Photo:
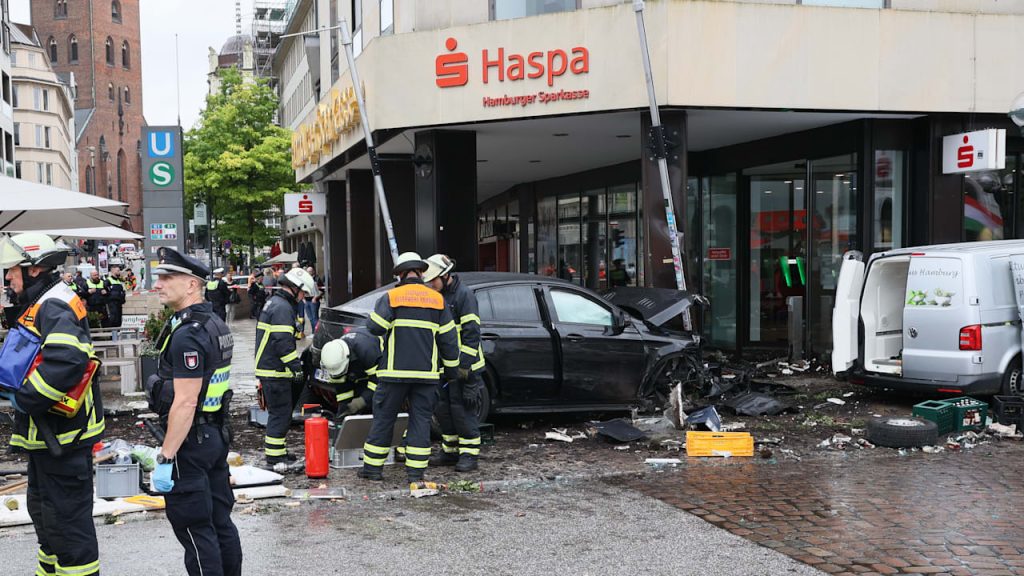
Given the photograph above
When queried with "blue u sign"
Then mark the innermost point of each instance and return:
(161, 144)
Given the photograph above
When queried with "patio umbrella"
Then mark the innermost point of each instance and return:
(95, 233)
(27, 206)
(283, 258)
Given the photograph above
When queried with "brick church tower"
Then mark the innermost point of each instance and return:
(98, 41)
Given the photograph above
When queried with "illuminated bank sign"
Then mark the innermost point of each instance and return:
(498, 66)
(163, 188)
(336, 116)
(974, 151)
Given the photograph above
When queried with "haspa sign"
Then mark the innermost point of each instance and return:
(974, 151)
(454, 69)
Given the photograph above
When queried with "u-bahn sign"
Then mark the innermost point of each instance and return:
(163, 187)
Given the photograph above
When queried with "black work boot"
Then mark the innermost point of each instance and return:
(444, 459)
(368, 472)
(414, 475)
(288, 459)
(467, 463)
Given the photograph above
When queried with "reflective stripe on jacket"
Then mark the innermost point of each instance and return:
(276, 355)
(466, 314)
(419, 334)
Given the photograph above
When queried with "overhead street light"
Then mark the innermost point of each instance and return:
(1017, 112)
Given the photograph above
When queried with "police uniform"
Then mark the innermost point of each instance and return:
(197, 343)
(60, 482)
(364, 353)
(97, 301)
(277, 363)
(217, 293)
(116, 296)
(419, 336)
(460, 428)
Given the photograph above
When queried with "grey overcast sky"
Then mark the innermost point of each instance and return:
(199, 24)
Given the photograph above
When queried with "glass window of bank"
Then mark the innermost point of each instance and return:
(592, 237)
(510, 9)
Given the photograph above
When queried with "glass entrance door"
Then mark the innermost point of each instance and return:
(778, 248)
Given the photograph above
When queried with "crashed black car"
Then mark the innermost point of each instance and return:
(553, 346)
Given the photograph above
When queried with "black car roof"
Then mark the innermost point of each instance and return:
(478, 278)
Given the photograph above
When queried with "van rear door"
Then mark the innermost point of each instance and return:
(939, 340)
(846, 314)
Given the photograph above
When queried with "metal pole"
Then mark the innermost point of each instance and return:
(371, 150)
(658, 131)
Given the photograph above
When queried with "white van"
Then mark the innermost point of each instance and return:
(934, 319)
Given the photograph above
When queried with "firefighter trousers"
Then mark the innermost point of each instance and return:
(277, 393)
(387, 401)
(460, 429)
(59, 502)
(199, 506)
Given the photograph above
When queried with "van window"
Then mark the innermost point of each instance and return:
(935, 282)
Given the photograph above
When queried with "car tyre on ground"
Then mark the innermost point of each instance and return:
(1013, 379)
(902, 432)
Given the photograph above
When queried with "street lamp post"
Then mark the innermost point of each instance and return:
(1017, 112)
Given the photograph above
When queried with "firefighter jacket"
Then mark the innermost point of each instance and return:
(97, 300)
(276, 356)
(195, 343)
(466, 314)
(419, 335)
(115, 290)
(364, 353)
(57, 316)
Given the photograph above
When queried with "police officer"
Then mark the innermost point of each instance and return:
(218, 294)
(257, 294)
(59, 411)
(115, 297)
(418, 331)
(349, 365)
(97, 300)
(191, 392)
(459, 404)
(277, 359)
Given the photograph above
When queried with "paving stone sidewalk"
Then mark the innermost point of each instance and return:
(959, 514)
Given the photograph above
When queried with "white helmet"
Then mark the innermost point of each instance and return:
(408, 261)
(334, 358)
(438, 265)
(31, 249)
(301, 279)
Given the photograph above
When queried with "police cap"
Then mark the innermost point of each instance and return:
(174, 262)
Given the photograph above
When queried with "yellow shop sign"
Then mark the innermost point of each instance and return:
(336, 115)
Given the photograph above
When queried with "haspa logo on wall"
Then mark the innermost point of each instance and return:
(974, 151)
(453, 70)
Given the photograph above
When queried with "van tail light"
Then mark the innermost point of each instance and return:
(970, 337)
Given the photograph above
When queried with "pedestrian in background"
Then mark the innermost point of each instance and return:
(116, 297)
(191, 393)
(312, 305)
(257, 294)
(418, 332)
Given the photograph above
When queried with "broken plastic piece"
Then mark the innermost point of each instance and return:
(663, 461)
(619, 430)
(559, 436)
(706, 417)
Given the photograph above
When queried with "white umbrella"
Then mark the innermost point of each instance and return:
(94, 233)
(26, 206)
(283, 258)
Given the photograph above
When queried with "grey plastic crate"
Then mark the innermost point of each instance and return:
(117, 480)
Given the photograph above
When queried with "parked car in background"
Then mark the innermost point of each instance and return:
(553, 346)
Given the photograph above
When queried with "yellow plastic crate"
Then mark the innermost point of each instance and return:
(719, 443)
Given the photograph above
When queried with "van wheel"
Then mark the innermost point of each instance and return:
(1013, 379)
(900, 432)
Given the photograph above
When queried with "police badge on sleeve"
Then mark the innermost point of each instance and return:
(191, 360)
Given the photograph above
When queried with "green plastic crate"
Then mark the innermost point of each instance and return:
(968, 413)
(938, 411)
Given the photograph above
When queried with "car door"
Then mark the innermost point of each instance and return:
(602, 353)
(846, 314)
(518, 344)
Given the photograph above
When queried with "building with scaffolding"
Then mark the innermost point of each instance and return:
(268, 23)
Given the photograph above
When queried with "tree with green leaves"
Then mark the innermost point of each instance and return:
(238, 161)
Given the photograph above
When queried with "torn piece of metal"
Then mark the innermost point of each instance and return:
(757, 404)
(707, 418)
(619, 430)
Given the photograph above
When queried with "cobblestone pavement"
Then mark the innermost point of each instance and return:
(951, 513)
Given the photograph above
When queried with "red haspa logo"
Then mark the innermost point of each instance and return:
(452, 69)
(965, 155)
(305, 205)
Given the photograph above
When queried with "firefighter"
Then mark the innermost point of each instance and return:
(218, 293)
(59, 411)
(116, 296)
(97, 300)
(459, 404)
(277, 360)
(349, 364)
(191, 393)
(418, 334)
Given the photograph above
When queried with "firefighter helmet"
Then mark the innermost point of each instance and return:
(334, 358)
(299, 278)
(409, 261)
(438, 265)
(31, 249)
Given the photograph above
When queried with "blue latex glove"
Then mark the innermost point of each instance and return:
(162, 481)
(9, 396)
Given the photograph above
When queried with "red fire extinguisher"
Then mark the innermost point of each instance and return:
(317, 445)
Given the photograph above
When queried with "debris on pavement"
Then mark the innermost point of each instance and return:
(320, 493)
(707, 417)
(663, 461)
(1004, 431)
(837, 442)
(757, 404)
(563, 435)
(619, 430)
(657, 426)
(836, 401)
(732, 426)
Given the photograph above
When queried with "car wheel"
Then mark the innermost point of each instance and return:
(1013, 379)
(901, 432)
